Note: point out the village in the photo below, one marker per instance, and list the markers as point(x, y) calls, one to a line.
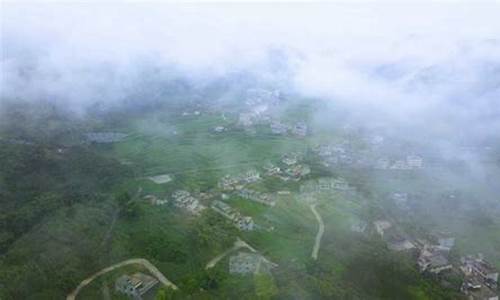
point(432, 257)
point(480, 278)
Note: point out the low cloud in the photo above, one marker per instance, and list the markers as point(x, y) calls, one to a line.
point(414, 62)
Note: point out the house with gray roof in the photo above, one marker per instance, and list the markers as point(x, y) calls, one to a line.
point(136, 286)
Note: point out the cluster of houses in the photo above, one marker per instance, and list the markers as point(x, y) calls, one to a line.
point(183, 199)
point(231, 183)
point(411, 162)
point(291, 168)
point(433, 258)
point(288, 169)
point(263, 198)
point(259, 101)
point(153, 200)
point(396, 239)
point(296, 172)
point(246, 119)
point(271, 169)
point(335, 154)
point(298, 129)
point(243, 223)
point(343, 153)
point(257, 115)
point(249, 263)
point(481, 279)
point(290, 159)
point(325, 184)
point(105, 137)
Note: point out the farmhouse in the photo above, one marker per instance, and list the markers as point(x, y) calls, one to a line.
point(298, 171)
point(155, 200)
point(324, 151)
point(433, 263)
point(381, 226)
point(279, 128)
point(290, 159)
point(183, 199)
point(309, 187)
point(433, 260)
point(325, 184)
point(250, 176)
point(245, 119)
point(135, 285)
point(263, 198)
point(476, 265)
point(474, 288)
point(300, 129)
point(219, 129)
point(446, 243)
point(400, 165)
point(243, 223)
point(399, 243)
point(271, 169)
point(341, 184)
point(228, 183)
point(414, 161)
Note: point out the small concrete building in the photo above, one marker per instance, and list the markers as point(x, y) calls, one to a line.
point(249, 263)
point(414, 161)
point(279, 128)
point(433, 260)
point(381, 226)
point(136, 285)
point(476, 265)
point(300, 129)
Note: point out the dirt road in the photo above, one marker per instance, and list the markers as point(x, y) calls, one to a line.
point(321, 230)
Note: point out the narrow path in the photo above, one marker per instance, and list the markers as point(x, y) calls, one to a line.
point(239, 243)
point(321, 230)
point(140, 261)
point(116, 214)
point(109, 232)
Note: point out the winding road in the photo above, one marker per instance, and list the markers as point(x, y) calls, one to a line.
point(140, 261)
point(321, 231)
point(239, 243)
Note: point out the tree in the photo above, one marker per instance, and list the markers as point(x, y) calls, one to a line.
point(128, 207)
point(165, 294)
point(123, 199)
point(265, 287)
